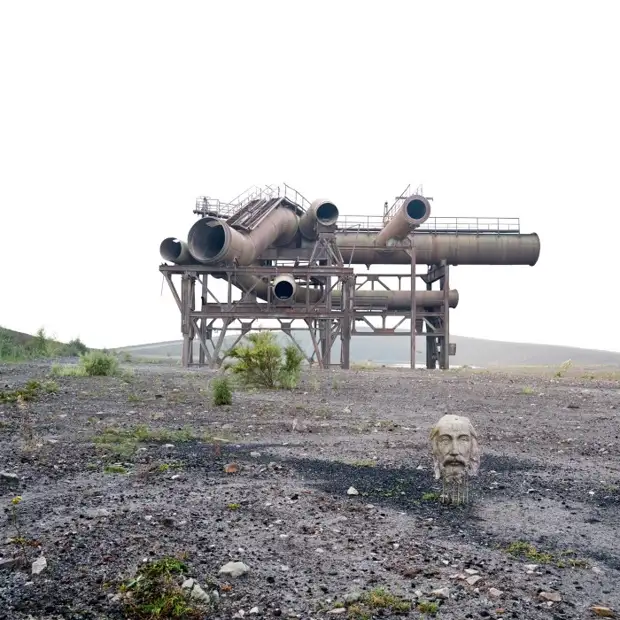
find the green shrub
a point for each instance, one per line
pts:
(99, 364)
(221, 392)
(260, 363)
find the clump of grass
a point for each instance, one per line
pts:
(98, 364)
(527, 550)
(564, 368)
(123, 442)
(114, 469)
(380, 598)
(91, 364)
(155, 593)
(234, 506)
(263, 363)
(431, 496)
(221, 392)
(428, 607)
(527, 390)
(28, 392)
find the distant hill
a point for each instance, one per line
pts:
(395, 350)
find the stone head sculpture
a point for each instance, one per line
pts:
(456, 452)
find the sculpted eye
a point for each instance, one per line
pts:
(464, 438)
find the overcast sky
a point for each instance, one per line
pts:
(116, 115)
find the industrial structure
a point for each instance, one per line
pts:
(293, 262)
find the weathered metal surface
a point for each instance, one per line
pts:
(212, 241)
(175, 250)
(455, 249)
(321, 211)
(413, 212)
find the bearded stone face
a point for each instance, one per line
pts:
(456, 453)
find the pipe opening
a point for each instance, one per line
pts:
(283, 290)
(327, 214)
(416, 209)
(171, 249)
(207, 239)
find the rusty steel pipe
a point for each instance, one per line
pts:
(211, 240)
(284, 287)
(414, 211)
(321, 211)
(432, 248)
(390, 300)
(175, 250)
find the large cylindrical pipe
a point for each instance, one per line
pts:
(321, 211)
(284, 287)
(401, 300)
(390, 300)
(414, 211)
(211, 240)
(175, 251)
(432, 248)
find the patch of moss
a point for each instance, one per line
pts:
(155, 593)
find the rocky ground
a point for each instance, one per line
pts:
(116, 471)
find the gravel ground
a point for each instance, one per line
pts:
(549, 477)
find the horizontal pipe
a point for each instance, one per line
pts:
(401, 300)
(413, 212)
(391, 300)
(284, 287)
(455, 248)
(321, 211)
(175, 251)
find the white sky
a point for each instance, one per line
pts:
(114, 116)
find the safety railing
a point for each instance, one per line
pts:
(388, 213)
(213, 206)
(296, 197)
(477, 225)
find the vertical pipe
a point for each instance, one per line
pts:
(185, 319)
(413, 301)
(445, 346)
(192, 307)
(203, 319)
(430, 340)
(345, 329)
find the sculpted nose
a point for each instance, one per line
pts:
(453, 448)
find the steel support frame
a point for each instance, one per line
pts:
(432, 322)
(324, 322)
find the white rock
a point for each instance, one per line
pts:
(337, 611)
(495, 593)
(441, 593)
(471, 571)
(473, 580)
(39, 565)
(195, 591)
(234, 569)
(255, 455)
(553, 597)
(352, 491)
(254, 611)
